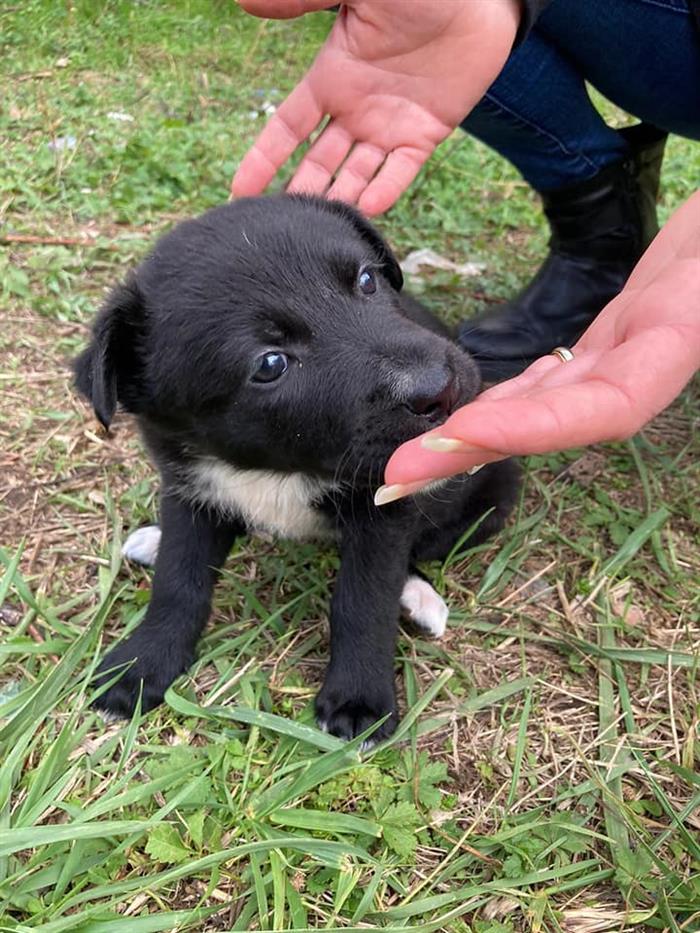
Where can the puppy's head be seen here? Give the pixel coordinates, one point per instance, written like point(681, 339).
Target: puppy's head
point(269, 333)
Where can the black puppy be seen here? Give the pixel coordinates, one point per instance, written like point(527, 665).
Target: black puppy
point(273, 367)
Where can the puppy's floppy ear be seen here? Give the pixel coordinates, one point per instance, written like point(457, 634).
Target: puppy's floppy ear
point(391, 267)
point(111, 359)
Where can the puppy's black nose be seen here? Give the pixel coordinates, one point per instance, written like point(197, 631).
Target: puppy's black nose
point(433, 394)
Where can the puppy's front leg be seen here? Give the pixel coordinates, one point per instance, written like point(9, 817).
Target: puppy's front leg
point(193, 546)
point(359, 684)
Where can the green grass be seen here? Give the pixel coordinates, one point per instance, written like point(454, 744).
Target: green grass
point(544, 776)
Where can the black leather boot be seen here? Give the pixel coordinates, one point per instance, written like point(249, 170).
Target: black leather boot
point(600, 228)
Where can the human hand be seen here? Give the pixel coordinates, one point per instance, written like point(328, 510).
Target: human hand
point(394, 78)
point(630, 364)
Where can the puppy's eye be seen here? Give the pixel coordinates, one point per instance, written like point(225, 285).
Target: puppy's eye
point(270, 366)
point(367, 282)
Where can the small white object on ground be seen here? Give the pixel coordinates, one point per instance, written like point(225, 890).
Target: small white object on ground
point(428, 258)
point(62, 142)
point(120, 117)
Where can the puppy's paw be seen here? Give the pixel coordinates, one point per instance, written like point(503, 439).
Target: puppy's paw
point(142, 664)
point(424, 606)
point(348, 713)
point(142, 545)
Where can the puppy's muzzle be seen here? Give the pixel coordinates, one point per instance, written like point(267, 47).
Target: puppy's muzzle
point(431, 393)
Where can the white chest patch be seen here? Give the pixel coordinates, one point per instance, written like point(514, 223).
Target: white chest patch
point(283, 504)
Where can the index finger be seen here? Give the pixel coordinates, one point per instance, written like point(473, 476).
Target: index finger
point(282, 9)
point(293, 122)
point(400, 168)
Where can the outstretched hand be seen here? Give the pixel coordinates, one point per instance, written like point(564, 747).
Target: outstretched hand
point(394, 79)
point(630, 364)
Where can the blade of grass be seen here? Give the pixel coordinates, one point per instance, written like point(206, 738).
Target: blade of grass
point(260, 888)
point(10, 773)
point(565, 642)
point(406, 724)
point(634, 541)
point(324, 821)
point(457, 547)
point(53, 766)
point(481, 701)
point(297, 911)
point(310, 735)
point(14, 840)
point(365, 905)
point(332, 854)
point(633, 445)
point(608, 746)
point(42, 698)
point(315, 771)
point(497, 567)
point(519, 749)
point(10, 570)
point(689, 840)
point(279, 896)
point(160, 922)
point(435, 901)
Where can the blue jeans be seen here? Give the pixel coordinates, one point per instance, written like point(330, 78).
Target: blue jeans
point(643, 55)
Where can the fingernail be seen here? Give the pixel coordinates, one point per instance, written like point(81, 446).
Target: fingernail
point(445, 445)
point(386, 494)
point(475, 469)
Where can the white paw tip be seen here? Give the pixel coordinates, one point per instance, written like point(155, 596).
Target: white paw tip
point(108, 717)
point(424, 606)
point(142, 545)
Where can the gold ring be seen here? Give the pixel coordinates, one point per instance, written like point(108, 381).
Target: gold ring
point(564, 354)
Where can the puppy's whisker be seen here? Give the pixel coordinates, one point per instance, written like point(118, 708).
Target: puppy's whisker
point(342, 460)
